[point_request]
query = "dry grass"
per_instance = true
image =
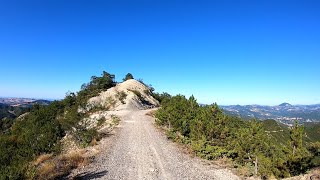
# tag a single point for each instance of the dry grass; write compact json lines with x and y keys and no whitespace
{"x":94,"y":142}
{"x":315,"y":174}
{"x":47,"y":170}
{"x":245,"y":171}
{"x":224,"y":162}
{"x":55,"y":167}
{"x":42,"y":158}
{"x":151,"y":113}
{"x":110,"y":103}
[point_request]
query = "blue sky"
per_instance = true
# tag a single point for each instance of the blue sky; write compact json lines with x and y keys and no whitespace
{"x":229,"y":52}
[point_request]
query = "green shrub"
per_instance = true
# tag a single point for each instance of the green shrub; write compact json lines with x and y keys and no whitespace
{"x":137,"y":93}
{"x":161,"y":97}
{"x":147,"y":92}
{"x":207,"y":151}
{"x":96,"y":108}
{"x":101,"y":121}
{"x":115,"y":119}
{"x":85,"y":136}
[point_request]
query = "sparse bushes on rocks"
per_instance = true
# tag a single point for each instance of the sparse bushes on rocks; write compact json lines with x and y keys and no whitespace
{"x":122,"y":96}
{"x":101,"y":121}
{"x":137,"y":93}
{"x":110,"y":103}
{"x":115,"y":119}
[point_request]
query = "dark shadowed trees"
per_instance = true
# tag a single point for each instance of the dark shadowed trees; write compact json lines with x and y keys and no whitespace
{"x":128,"y":76}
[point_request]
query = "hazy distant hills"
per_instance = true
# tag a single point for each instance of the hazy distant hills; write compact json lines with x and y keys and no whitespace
{"x":13,"y":107}
{"x":285,"y":112}
{"x":276,"y":118}
{"x":25,"y":102}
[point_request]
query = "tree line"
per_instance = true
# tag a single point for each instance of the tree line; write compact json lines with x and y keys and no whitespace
{"x":212,"y":134}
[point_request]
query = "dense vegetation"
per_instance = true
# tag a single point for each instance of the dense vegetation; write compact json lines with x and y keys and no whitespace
{"x":212,"y":135}
{"x":39,"y":131}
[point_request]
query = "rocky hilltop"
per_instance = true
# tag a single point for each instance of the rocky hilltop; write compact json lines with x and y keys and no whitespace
{"x":128,"y":95}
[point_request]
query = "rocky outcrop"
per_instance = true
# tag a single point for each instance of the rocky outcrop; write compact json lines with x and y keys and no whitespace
{"x":129,"y":95}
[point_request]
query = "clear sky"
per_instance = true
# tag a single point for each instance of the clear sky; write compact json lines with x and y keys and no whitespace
{"x":229,"y":52}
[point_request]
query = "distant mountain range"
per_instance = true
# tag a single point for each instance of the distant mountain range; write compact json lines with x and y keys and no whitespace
{"x":284,"y":113}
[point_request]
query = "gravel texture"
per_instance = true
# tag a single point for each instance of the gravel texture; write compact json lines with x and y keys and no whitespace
{"x":138,"y":150}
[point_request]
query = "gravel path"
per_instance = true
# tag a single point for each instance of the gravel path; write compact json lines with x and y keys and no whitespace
{"x":140,"y":151}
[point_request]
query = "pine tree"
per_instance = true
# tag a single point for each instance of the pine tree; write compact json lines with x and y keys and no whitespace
{"x":252,"y":144}
{"x":128,"y":76}
{"x":299,"y":157}
{"x":296,"y":133}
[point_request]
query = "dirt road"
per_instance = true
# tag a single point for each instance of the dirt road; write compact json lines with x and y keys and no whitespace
{"x":140,"y":151}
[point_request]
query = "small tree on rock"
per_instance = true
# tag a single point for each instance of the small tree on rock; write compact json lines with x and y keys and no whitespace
{"x":128,"y":76}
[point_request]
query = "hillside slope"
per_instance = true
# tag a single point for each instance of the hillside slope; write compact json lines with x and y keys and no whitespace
{"x":281,"y":132}
{"x":312,"y":131}
{"x":11,"y":112}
